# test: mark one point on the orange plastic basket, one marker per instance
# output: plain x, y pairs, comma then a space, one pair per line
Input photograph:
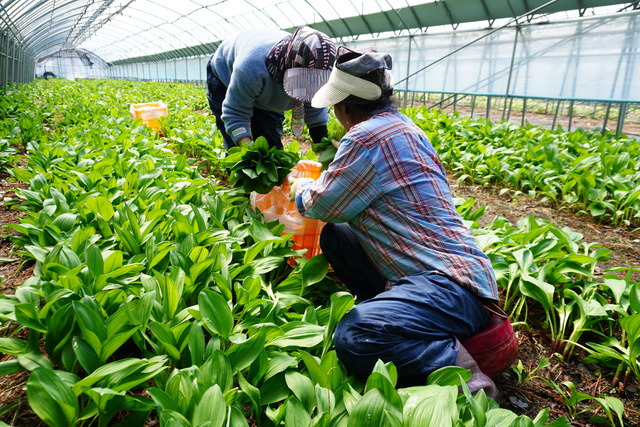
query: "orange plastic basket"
149, 113
276, 205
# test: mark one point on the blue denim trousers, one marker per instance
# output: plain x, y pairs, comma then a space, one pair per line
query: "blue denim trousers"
414, 324
263, 123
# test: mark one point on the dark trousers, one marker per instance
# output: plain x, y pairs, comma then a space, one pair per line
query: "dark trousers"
413, 325
263, 123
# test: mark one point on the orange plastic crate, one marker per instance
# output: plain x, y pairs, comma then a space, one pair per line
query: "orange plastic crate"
276, 205
149, 113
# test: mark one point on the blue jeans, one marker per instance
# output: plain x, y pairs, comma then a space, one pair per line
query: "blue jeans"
413, 325
263, 123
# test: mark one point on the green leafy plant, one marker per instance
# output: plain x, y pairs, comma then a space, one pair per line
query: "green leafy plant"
259, 167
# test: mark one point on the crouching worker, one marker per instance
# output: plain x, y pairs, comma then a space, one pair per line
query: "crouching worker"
393, 235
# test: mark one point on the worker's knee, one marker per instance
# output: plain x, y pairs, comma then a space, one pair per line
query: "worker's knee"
350, 340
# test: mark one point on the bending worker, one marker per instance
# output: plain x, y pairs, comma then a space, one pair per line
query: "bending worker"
255, 76
393, 235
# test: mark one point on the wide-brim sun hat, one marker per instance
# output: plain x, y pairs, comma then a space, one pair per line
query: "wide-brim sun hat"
363, 76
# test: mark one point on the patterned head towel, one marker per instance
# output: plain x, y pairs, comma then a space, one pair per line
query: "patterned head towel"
302, 62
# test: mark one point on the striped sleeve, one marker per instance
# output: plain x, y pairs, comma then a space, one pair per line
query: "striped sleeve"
348, 187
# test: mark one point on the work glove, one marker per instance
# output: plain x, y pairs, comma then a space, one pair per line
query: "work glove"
294, 183
317, 133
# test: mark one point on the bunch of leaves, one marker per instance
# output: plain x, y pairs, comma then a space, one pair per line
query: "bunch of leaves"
258, 167
326, 149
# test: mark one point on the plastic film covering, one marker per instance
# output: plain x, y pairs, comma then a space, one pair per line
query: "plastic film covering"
589, 58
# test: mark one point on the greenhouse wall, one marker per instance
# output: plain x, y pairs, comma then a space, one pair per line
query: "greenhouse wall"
590, 59
586, 59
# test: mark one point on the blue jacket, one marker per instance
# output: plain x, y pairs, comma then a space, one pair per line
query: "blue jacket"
239, 62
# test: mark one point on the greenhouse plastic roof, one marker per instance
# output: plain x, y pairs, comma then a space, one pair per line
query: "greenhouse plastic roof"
141, 30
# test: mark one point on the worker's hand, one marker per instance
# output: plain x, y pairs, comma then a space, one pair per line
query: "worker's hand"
317, 133
335, 143
245, 141
294, 183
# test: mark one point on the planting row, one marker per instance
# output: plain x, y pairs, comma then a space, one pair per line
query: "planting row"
586, 171
159, 293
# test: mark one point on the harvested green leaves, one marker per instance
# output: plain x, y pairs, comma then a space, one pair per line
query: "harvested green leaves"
259, 167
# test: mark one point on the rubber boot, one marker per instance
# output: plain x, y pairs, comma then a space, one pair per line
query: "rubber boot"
479, 380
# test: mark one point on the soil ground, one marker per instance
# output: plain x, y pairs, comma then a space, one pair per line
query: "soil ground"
528, 398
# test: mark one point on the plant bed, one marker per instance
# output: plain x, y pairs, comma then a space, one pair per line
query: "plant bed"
150, 282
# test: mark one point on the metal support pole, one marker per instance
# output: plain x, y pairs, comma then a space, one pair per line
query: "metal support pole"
508, 110
555, 116
406, 84
14, 74
524, 111
606, 117
488, 106
6, 63
622, 112
570, 114
513, 59
455, 101
473, 104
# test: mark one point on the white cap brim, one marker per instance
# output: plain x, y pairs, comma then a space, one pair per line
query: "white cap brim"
341, 85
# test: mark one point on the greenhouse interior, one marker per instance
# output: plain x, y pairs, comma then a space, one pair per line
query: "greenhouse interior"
320, 213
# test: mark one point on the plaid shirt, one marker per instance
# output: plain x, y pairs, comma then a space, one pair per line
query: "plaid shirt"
388, 183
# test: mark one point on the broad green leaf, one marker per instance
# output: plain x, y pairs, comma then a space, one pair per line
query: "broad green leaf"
92, 325
10, 367
317, 374
93, 258
26, 315
252, 392
371, 411
243, 354
299, 334
449, 375
280, 362
114, 342
314, 270
51, 399
631, 325
13, 346
210, 411
31, 361
215, 309
102, 206
87, 356
302, 388
66, 221
379, 381
217, 370
166, 339
500, 417
196, 344
437, 410
341, 302
163, 400
296, 414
